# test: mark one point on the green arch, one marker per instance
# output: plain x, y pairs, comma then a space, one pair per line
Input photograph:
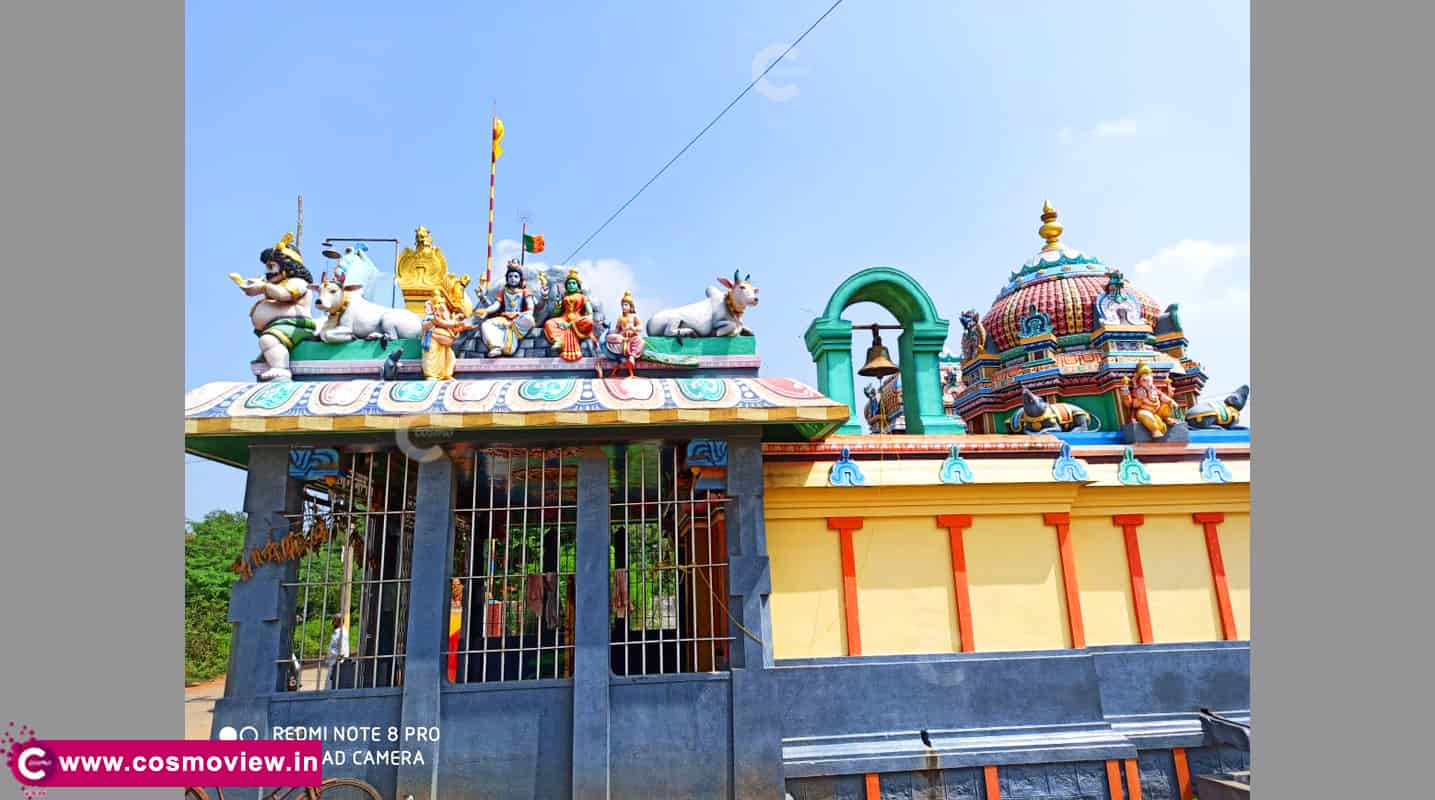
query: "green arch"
888, 287
829, 341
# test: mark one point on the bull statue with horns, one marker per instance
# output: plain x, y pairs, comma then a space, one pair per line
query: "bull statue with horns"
718, 314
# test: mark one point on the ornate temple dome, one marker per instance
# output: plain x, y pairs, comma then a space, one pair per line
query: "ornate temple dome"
1061, 282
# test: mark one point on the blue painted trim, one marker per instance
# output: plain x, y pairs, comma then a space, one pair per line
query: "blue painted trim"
1089, 437
1221, 436
1213, 470
845, 471
955, 469
1067, 468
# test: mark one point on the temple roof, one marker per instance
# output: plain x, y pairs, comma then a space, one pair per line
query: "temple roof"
1061, 282
220, 417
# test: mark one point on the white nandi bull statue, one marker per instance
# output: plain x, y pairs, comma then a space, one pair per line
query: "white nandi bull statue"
351, 316
718, 314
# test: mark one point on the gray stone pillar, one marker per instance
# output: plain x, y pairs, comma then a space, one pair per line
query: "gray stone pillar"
756, 711
591, 668
263, 620
749, 576
261, 610
427, 635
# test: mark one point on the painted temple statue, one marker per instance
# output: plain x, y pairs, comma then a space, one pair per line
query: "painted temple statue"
607, 555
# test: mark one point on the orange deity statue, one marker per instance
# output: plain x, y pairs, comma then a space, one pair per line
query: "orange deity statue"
572, 322
1149, 404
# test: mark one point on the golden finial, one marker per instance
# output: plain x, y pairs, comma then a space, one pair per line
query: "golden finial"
1050, 229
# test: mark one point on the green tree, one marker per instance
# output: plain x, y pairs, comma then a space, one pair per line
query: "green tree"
210, 546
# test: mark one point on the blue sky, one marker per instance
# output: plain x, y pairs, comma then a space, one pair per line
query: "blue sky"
918, 135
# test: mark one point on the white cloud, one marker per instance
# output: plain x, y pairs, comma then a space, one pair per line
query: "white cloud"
1112, 128
1210, 281
1116, 127
1200, 275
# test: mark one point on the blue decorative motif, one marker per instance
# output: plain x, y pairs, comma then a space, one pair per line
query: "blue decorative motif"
702, 389
846, 472
313, 463
549, 389
707, 453
1131, 471
412, 391
1213, 470
1067, 468
273, 395
955, 469
1035, 323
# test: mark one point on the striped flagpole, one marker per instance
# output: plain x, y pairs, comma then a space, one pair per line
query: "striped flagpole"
492, 175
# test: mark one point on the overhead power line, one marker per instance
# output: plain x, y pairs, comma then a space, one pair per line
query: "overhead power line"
700, 133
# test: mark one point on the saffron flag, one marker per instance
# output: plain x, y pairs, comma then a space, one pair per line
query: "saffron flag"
533, 243
497, 138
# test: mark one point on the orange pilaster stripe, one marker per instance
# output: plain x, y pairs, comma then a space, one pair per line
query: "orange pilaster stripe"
1129, 523
1183, 773
955, 523
1113, 779
844, 526
1209, 520
874, 786
1133, 780
994, 787
1062, 522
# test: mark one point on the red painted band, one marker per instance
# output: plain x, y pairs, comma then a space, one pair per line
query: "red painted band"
1133, 780
961, 589
1209, 521
1129, 523
1113, 779
844, 526
1062, 522
1183, 773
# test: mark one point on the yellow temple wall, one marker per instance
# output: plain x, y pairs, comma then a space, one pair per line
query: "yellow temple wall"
1016, 595
1016, 586
1105, 581
904, 580
807, 615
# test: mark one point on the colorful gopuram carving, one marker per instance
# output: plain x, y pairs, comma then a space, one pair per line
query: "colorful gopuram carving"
1068, 325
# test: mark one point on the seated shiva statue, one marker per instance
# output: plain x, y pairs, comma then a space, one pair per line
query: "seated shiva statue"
509, 317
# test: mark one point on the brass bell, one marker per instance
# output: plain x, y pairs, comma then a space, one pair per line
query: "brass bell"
879, 363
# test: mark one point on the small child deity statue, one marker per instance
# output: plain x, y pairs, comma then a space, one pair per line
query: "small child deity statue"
625, 341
